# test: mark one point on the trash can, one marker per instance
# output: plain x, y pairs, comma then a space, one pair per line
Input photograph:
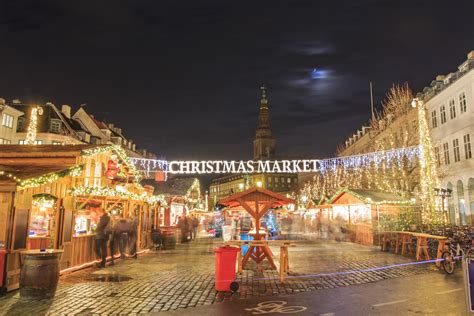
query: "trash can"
225, 269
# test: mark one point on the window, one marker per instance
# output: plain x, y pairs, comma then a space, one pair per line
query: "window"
467, 146
7, 120
276, 179
57, 143
414, 125
55, 126
19, 123
295, 180
446, 153
38, 142
442, 111
452, 109
462, 102
434, 122
457, 156
438, 156
4, 141
269, 179
22, 142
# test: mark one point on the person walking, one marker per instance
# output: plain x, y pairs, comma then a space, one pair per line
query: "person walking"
190, 227
112, 242
134, 236
101, 237
195, 222
122, 229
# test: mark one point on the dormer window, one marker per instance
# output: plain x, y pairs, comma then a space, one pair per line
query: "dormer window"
55, 126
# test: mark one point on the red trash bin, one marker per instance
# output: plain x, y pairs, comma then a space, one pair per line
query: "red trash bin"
225, 269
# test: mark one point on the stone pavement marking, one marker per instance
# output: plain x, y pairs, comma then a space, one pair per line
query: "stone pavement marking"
184, 278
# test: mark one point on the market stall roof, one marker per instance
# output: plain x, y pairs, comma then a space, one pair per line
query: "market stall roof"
368, 196
174, 187
27, 161
256, 194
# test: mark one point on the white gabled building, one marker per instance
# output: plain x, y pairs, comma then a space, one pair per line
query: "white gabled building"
450, 114
8, 123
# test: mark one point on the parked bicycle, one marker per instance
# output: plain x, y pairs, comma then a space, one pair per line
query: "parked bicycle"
459, 247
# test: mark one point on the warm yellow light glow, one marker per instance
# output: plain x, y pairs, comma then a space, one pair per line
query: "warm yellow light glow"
32, 128
259, 184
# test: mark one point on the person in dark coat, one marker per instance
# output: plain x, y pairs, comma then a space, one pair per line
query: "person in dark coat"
133, 236
101, 237
156, 237
112, 240
122, 230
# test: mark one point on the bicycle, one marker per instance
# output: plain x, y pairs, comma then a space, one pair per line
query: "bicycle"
459, 247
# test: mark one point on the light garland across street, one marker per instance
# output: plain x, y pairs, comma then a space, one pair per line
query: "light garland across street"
277, 166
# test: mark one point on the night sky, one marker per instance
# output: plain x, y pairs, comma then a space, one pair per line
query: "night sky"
182, 78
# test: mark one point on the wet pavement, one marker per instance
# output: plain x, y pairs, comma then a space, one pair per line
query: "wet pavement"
184, 278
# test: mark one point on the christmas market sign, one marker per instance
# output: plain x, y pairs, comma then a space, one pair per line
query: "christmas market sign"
243, 166
389, 157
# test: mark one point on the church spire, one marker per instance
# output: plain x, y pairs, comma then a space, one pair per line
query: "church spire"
264, 100
264, 143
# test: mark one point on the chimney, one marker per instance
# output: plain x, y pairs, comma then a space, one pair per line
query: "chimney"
440, 77
111, 126
66, 110
470, 55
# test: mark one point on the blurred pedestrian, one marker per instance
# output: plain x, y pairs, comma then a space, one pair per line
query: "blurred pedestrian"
195, 222
156, 237
133, 236
111, 234
101, 238
190, 227
122, 229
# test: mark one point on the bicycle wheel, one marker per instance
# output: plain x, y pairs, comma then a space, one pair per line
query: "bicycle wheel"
448, 262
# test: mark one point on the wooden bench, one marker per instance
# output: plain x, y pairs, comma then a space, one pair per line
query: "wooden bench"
405, 237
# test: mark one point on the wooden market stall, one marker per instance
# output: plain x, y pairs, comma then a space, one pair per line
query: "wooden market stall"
257, 202
50, 196
362, 211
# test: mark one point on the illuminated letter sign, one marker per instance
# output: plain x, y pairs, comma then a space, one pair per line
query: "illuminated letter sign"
242, 166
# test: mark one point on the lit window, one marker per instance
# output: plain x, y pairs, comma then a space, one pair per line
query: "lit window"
269, 179
55, 126
434, 121
467, 146
38, 142
442, 111
4, 141
462, 102
438, 156
276, 180
7, 120
22, 142
452, 109
446, 153
57, 143
457, 155
288, 180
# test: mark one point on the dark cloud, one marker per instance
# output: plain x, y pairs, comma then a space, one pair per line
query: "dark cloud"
182, 78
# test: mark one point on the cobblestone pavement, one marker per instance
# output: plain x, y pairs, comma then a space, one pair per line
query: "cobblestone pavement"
183, 278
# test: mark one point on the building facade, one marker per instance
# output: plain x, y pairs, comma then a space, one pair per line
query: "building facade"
450, 114
9, 120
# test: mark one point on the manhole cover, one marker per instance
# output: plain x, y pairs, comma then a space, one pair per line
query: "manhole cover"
108, 278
